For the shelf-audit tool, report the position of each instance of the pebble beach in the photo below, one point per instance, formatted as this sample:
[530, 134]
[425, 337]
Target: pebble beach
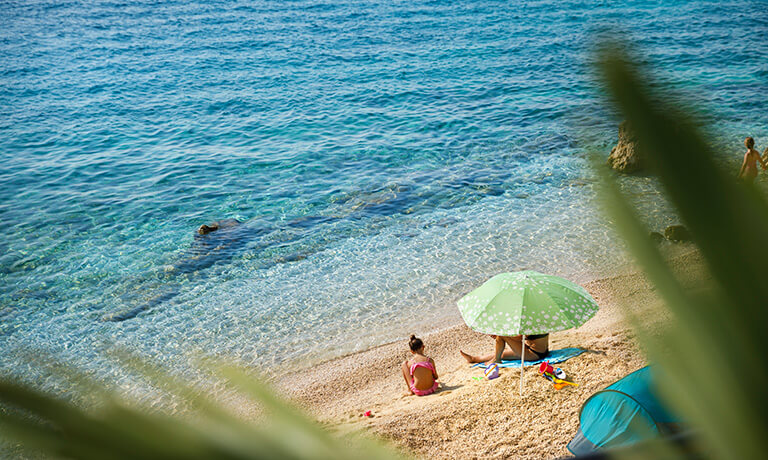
[477, 418]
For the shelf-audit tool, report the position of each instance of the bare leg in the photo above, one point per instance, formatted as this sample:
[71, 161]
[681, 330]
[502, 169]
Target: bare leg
[507, 354]
[470, 359]
[512, 350]
[516, 347]
[407, 376]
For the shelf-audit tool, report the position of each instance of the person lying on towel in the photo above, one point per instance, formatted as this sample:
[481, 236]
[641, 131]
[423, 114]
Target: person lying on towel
[535, 347]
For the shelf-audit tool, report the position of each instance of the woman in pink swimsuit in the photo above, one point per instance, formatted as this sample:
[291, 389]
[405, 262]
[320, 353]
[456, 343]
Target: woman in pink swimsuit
[419, 372]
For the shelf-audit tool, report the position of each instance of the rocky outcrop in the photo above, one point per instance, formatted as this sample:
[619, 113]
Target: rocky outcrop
[624, 157]
[212, 227]
[674, 233]
[677, 233]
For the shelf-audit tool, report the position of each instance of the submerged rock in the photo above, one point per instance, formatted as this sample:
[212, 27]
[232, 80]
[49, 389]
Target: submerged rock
[219, 224]
[625, 157]
[656, 237]
[677, 233]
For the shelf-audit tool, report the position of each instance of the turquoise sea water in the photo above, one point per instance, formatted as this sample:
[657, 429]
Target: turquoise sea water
[385, 157]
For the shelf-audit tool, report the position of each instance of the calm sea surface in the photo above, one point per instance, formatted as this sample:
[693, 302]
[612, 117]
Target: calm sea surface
[384, 158]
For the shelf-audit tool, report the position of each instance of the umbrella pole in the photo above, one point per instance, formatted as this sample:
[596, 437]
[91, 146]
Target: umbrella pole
[522, 363]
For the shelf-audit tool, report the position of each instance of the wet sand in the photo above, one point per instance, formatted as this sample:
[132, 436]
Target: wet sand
[469, 418]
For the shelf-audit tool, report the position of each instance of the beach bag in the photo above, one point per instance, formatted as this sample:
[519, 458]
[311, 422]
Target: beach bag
[492, 371]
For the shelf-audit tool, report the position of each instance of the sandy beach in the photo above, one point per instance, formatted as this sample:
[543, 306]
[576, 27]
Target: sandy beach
[470, 418]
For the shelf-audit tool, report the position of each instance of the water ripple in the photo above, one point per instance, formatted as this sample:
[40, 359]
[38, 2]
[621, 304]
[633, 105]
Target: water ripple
[384, 157]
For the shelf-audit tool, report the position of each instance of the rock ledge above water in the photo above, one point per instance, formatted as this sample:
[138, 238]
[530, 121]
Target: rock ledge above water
[624, 157]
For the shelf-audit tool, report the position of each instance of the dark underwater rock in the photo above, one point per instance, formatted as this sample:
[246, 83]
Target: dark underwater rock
[656, 237]
[219, 224]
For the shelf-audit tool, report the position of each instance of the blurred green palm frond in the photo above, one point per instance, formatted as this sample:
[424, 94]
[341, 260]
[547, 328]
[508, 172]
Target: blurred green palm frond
[714, 359]
[36, 423]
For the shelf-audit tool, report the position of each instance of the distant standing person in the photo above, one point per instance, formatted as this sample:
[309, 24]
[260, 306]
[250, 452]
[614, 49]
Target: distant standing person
[748, 170]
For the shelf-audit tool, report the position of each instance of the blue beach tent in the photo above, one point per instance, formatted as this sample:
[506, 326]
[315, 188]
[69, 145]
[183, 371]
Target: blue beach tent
[624, 413]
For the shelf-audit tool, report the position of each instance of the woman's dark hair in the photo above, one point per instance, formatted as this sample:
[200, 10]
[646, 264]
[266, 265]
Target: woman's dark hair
[415, 343]
[749, 142]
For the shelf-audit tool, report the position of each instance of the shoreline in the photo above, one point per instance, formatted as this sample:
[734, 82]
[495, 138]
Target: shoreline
[472, 418]
[669, 250]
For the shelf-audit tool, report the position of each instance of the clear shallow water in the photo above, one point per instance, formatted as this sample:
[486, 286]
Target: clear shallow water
[385, 157]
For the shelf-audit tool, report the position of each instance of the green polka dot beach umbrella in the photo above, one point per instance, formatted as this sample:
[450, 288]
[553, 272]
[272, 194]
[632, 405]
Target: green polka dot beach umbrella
[526, 303]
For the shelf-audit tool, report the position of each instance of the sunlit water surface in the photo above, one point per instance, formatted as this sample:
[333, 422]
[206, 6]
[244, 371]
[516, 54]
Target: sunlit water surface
[385, 158]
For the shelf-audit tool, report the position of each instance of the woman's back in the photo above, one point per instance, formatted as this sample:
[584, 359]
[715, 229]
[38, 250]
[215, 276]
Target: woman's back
[419, 372]
[749, 165]
[423, 373]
